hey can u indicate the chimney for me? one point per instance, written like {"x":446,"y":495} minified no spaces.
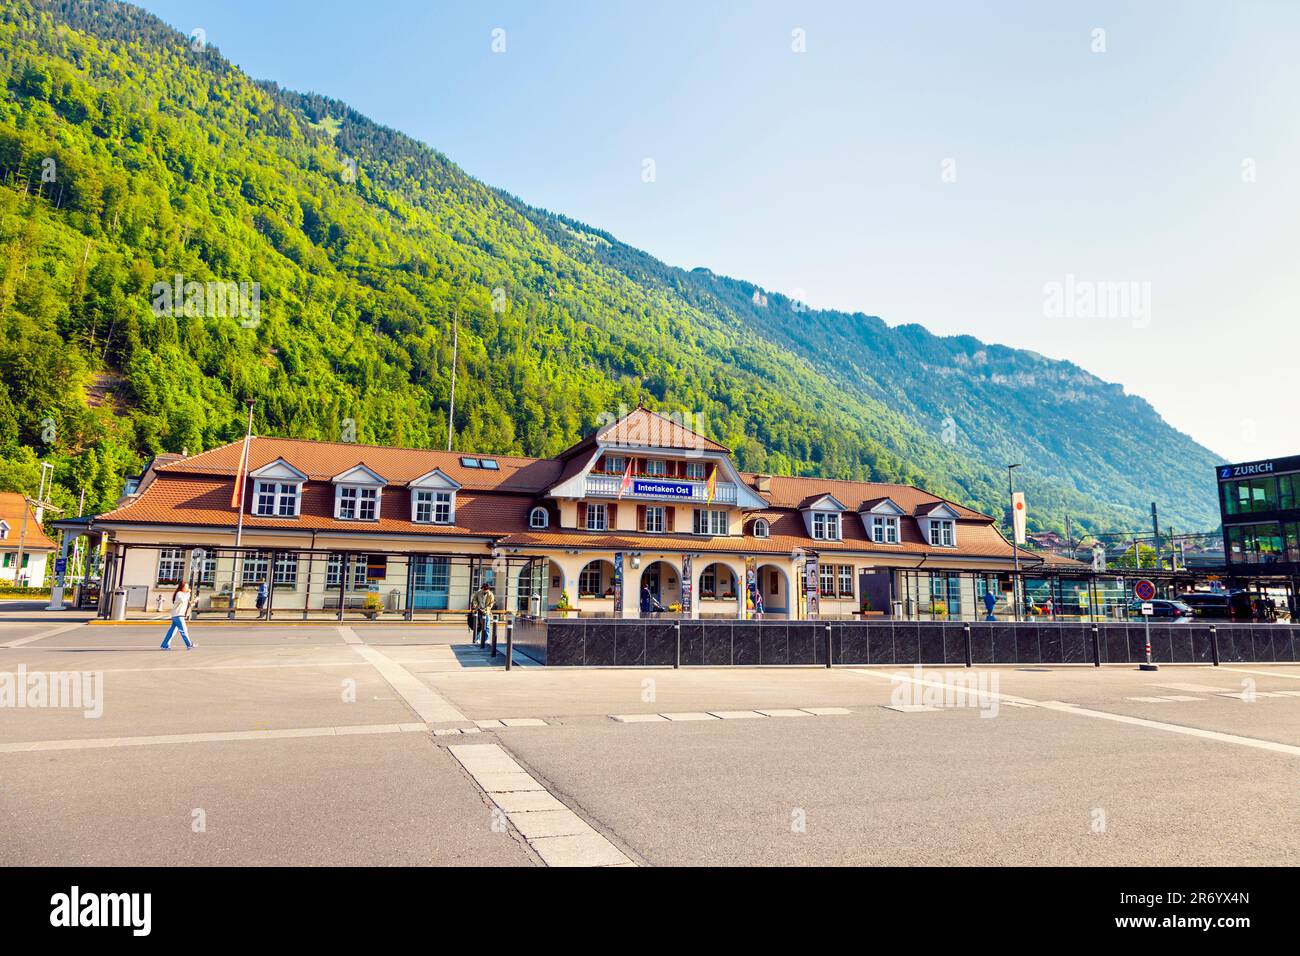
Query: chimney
{"x":763,"y":483}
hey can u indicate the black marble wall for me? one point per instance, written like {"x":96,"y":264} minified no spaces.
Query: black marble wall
{"x":609,"y":642}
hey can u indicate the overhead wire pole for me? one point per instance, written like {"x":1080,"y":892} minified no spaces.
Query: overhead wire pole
{"x":455,"y":351}
{"x":1015,"y":548}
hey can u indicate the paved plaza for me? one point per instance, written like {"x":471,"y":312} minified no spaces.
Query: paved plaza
{"x":360,"y":744}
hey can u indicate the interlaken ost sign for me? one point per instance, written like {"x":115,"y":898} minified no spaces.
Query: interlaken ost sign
{"x":662,"y":489}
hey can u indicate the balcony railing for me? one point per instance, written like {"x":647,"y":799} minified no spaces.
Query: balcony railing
{"x":606,"y":486}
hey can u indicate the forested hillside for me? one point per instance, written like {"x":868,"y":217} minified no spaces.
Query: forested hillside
{"x":129,"y":158}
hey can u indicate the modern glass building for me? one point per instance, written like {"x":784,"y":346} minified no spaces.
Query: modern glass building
{"x":1260,"y":505}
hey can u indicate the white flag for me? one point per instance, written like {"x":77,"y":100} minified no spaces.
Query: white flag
{"x":1018,"y":516}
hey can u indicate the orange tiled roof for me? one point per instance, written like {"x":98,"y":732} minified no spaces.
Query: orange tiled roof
{"x":790,"y":492}
{"x":12,"y":508}
{"x":643,"y":428}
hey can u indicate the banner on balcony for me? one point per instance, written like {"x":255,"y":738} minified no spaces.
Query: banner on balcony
{"x":662,"y":489}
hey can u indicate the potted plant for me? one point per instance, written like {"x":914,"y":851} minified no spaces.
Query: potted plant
{"x":372,"y":605}
{"x":939,"y":608}
{"x":563,"y":607}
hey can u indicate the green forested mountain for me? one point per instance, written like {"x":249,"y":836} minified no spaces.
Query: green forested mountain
{"x":129,"y":158}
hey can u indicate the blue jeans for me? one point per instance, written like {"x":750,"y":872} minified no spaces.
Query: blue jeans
{"x":487,"y":627}
{"x":178,"y":624}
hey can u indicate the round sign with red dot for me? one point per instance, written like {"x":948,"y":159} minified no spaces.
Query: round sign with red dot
{"x":1144,"y":590}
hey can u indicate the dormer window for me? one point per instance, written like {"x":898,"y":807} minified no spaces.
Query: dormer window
{"x":538,"y":518}
{"x":433,"y":498}
{"x":4,"y":530}
{"x":656,"y":467}
{"x":432,"y":507}
{"x":357,"y":494}
{"x":884,"y":529}
{"x":761,"y":528}
{"x":358,"y":504}
{"x":615,"y":464}
{"x":277,"y":490}
{"x":826,"y":525}
{"x":695,"y":470}
{"x":941,"y":532}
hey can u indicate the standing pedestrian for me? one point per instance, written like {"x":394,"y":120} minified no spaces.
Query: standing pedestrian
{"x":481,"y":605}
{"x":261,"y":598}
{"x":180,"y":607}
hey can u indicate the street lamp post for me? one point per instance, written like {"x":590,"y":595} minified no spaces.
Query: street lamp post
{"x":1015,"y":548}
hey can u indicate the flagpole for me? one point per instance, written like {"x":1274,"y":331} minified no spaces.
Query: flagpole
{"x":241,"y":478}
{"x":455,"y":349}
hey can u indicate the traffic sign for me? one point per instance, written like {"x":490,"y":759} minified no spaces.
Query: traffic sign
{"x":60,"y":565}
{"x":1148,"y":608}
{"x":1144,"y":591}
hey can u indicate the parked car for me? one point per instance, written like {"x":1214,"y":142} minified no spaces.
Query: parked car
{"x":1220,"y":605}
{"x":1169,"y":612}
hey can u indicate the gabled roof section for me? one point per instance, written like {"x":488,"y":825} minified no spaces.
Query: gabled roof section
{"x":822,"y":502}
{"x":279,"y":469}
{"x":642,"y":428}
{"x":320,"y":461}
{"x":435,"y":479}
{"x":12,"y":507}
{"x":787,"y":492}
{"x":881,"y":506}
{"x":937,"y":509}
{"x":359,"y":474}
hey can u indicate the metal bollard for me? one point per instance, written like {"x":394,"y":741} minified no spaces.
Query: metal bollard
{"x":1214,"y":643}
{"x":970,"y":659}
{"x":1096,"y":646}
{"x":495,"y":623}
{"x":510,"y":644}
{"x":677,"y":661}
{"x":828,"y":645}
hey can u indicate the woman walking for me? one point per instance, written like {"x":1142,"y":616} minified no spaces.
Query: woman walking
{"x":180,"y":605}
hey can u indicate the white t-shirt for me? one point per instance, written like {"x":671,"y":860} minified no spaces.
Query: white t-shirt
{"x":181,"y":604}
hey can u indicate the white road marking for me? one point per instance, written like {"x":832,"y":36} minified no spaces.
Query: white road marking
{"x":1257,"y":743}
{"x":1247,"y":670}
{"x":695,"y":715}
{"x":44,"y":634}
{"x":523,"y":722}
{"x":636,"y":718}
{"x":1194,"y":688}
{"x":98,"y":743}
{"x":1163,"y":700}
{"x":431,"y":707}
{"x":557,"y":834}
{"x":1243,"y":695}
{"x":735,"y":714}
{"x":909,"y":708}
{"x":785,"y":712}
{"x":826,"y":711}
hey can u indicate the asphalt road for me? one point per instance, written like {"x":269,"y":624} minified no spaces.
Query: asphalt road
{"x":300,"y":746}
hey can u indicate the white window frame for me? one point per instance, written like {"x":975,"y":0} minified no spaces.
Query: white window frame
{"x":284,"y":573}
{"x":597,"y":508}
{"x":711,"y":522}
{"x":656,"y":467}
{"x":615,"y":464}
{"x":539,"y":513}
{"x":884,"y":529}
{"x":433,"y":506}
{"x":171,"y":560}
{"x":825,"y":576}
{"x":826,"y":525}
{"x":283,"y":498}
{"x":943,"y":533}
{"x":259,"y":562}
{"x":588,"y":569}
{"x":655,"y":519}
{"x":844,"y":579}
{"x":696,"y":471}
{"x":362,"y":498}
{"x":762,"y":528}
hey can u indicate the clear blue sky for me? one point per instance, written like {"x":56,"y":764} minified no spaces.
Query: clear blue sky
{"x":1172,"y":158}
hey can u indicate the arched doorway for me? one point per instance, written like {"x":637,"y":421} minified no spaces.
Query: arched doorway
{"x":719,"y":589}
{"x":665,"y":583}
{"x":774,"y":586}
{"x":596,"y":581}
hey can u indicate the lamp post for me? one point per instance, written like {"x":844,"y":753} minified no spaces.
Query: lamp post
{"x":1015,"y":548}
